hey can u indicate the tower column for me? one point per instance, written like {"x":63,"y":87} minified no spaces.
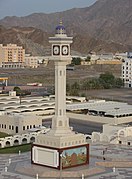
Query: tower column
{"x":60,"y":88}
{"x":60,"y":120}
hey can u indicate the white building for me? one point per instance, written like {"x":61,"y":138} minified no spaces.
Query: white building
{"x":114,"y":134}
{"x":127,"y":70}
{"x":21,"y":139}
{"x":35,"y":61}
{"x":18,"y":123}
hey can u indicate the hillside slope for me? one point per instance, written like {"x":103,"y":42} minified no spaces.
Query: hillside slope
{"x":104,"y":26}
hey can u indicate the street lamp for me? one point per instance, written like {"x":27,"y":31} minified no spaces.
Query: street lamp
{"x":116,"y":108}
{"x":61,"y":166}
{"x":116,"y":115}
{"x":82,"y":176}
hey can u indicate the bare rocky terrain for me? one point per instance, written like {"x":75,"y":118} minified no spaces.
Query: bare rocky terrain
{"x":106,"y":26}
{"x":45,"y":75}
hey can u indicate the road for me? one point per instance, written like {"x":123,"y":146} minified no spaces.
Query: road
{"x":80,"y":126}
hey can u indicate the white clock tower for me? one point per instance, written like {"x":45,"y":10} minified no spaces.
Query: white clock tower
{"x":48,"y":148}
{"x":61,"y":56}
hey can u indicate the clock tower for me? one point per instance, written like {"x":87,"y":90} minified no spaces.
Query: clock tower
{"x":61,"y":56}
{"x":49,"y":148}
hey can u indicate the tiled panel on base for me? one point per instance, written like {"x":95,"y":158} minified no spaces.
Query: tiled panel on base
{"x":60,"y":158}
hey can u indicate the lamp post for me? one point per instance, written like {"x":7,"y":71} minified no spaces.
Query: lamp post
{"x":82,"y":176}
{"x":116,"y":108}
{"x":61,"y":166}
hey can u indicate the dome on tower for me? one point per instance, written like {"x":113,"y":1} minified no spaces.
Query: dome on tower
{"x":60,"y":29}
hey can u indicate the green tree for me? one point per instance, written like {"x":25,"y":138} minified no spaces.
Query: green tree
{"x":119,"y":83}
{"x":76,"y":61}
{"x":74,"y":89}
{"x":88,"y":59}
{"x":107,"y":80}
{"x":74,"y":92}
{"x":75,"y":86}
{"x":18,"y":90}
{"x":92,"y":84}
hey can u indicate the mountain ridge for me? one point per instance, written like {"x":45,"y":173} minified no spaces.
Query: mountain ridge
{"x":107,"y":23}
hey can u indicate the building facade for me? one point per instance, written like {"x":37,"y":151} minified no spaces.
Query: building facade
{"x":35,"y":61}
{"x":114,"y":134}
{"x":18,"y":123}
{"x":127,"y":70}
{"x":11,"y":56}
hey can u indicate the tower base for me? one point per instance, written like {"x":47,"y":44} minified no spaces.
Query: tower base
{"x":60,"y":152}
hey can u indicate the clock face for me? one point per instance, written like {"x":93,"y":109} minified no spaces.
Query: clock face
{"x":65,"y":50}
{"x":56,"y":50}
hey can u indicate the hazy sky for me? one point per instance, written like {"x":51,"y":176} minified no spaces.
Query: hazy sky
{"x":26,"y":7}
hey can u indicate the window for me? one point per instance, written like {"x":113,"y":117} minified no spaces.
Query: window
{"x":60,"y":73}
{"x":23,"y":128}
{"x":60,"y":112}
{"x":27,"y":127}
{"x":120,"y":142}
{"x":12,"y":127}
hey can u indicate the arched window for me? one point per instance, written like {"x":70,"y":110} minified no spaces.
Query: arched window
{"x":16,"y":142}
{"x":24,"y":141}
{"x":7,"y":143}
{"x":32,"y":139}
{"x":121,"y":134}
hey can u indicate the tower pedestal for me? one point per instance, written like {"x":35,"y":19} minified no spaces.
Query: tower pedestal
{"x":60,"y":151}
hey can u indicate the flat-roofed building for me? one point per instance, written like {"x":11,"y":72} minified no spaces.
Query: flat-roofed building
{"x":114,"y":134}
{"x":35,"y":61}
{"x":31,"y":61}
{"x":11,"y":56}
{"x":18,"y":123}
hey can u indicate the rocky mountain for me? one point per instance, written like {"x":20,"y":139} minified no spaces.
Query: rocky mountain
{"x":105,"y":26}
{"x":35,"y":41}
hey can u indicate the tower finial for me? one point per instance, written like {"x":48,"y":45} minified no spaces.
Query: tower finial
{"x":61,"y":22}
{"x":60,"y":29}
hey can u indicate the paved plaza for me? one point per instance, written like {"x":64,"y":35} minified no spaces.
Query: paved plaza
{"x":106,"y":161}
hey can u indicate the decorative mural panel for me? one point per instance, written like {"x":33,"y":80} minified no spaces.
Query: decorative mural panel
{"x":74,"y":157}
